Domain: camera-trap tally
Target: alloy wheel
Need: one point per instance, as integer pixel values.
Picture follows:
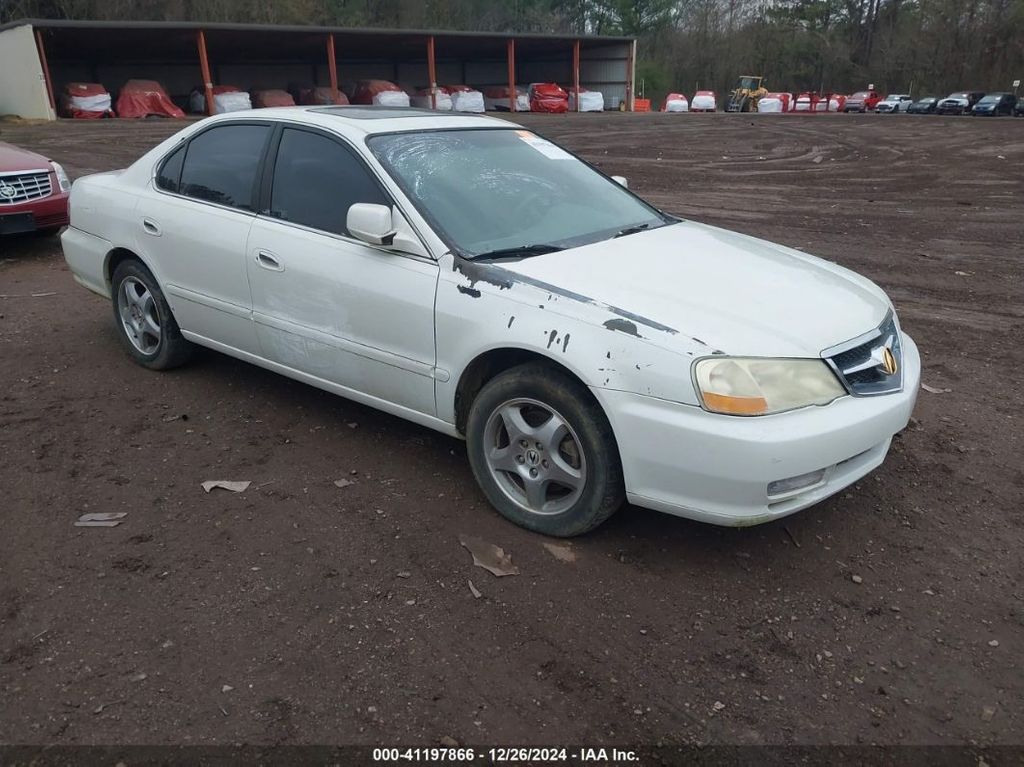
(535, 456)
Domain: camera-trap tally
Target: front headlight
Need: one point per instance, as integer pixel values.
(62, 176)
(760, 385)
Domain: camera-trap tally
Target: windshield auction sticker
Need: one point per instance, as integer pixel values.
(543, 146)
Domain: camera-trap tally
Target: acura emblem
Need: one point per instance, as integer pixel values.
(889, 361)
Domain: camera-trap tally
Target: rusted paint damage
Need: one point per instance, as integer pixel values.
(472, 292)
(623, 326)
(511, 320)
(565, 343)
(551, 337)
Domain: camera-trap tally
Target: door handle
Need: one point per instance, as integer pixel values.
(151, 227)
(267, 261)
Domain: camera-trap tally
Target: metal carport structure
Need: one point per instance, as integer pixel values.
(38, 56)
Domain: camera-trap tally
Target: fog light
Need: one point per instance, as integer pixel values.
(792, 484)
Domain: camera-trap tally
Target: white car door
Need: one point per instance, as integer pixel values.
(324, 303)
(194, 224)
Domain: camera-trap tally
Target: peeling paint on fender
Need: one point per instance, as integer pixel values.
(623, 326)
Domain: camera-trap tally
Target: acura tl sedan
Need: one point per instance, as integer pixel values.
(471, 276)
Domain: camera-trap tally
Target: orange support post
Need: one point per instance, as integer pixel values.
(576, 71)
(204, 64)
(432, 72)
(332, 64)
(629, 77)
(46, 68)
(512, 75)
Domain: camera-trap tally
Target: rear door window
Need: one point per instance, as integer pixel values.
(221, 164)
(316, 181)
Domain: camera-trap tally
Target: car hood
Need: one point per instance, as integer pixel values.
(14, 158)
(731, 292)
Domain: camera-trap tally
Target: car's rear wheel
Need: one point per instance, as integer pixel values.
(543, 451)
(144, 320)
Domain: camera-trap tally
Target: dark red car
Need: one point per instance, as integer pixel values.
(33, 192)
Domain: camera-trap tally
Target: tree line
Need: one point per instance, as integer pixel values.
(920, 46)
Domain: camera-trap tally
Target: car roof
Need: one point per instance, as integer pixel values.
(368, 120)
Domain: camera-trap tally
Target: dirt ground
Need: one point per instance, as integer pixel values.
(298, 612)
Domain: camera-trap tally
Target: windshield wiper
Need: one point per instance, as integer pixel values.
(520, 251)
(632, 230)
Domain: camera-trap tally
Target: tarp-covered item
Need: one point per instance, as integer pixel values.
(548, 97)
(805, 102)
(675, 102)
(703, 101)
(272, 97)
(422, 100)
(775, 102)
(226, 98)
(141, 98)
(496, 99)
(836, 103)
(322, 95)
(85, 101)
(590, 101)
(380, 93)
(465, 99)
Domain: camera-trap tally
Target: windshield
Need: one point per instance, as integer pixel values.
(957, 96)
(750, 83)
(990, 100)
(496, 190)
(860, 95)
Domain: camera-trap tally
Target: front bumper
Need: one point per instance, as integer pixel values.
(714, 468)
(45, 213)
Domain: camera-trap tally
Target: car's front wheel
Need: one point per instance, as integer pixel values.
(543, 451)
(144, 320)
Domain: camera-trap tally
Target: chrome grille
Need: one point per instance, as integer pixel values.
(861, 363)
(20, 187)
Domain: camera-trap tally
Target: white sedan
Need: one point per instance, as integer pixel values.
(470, 276)
(894, 103)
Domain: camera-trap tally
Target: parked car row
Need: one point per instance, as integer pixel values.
(957, 103)
(146, 98)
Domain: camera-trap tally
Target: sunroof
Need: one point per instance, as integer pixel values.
(376, 113)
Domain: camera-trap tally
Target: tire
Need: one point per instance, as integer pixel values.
(560, 434)
(144, 320)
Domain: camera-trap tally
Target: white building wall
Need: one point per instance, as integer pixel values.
(22, 84)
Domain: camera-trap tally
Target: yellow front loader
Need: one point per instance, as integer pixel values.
(748, 91)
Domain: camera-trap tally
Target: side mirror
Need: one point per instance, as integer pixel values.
(621, 180)
(371, 223)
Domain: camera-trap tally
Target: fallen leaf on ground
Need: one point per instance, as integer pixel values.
(491, 558)
(560, 551)
(101, 519)
(934, 390)
(234, 487)
(343, 482)
(474, 590)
